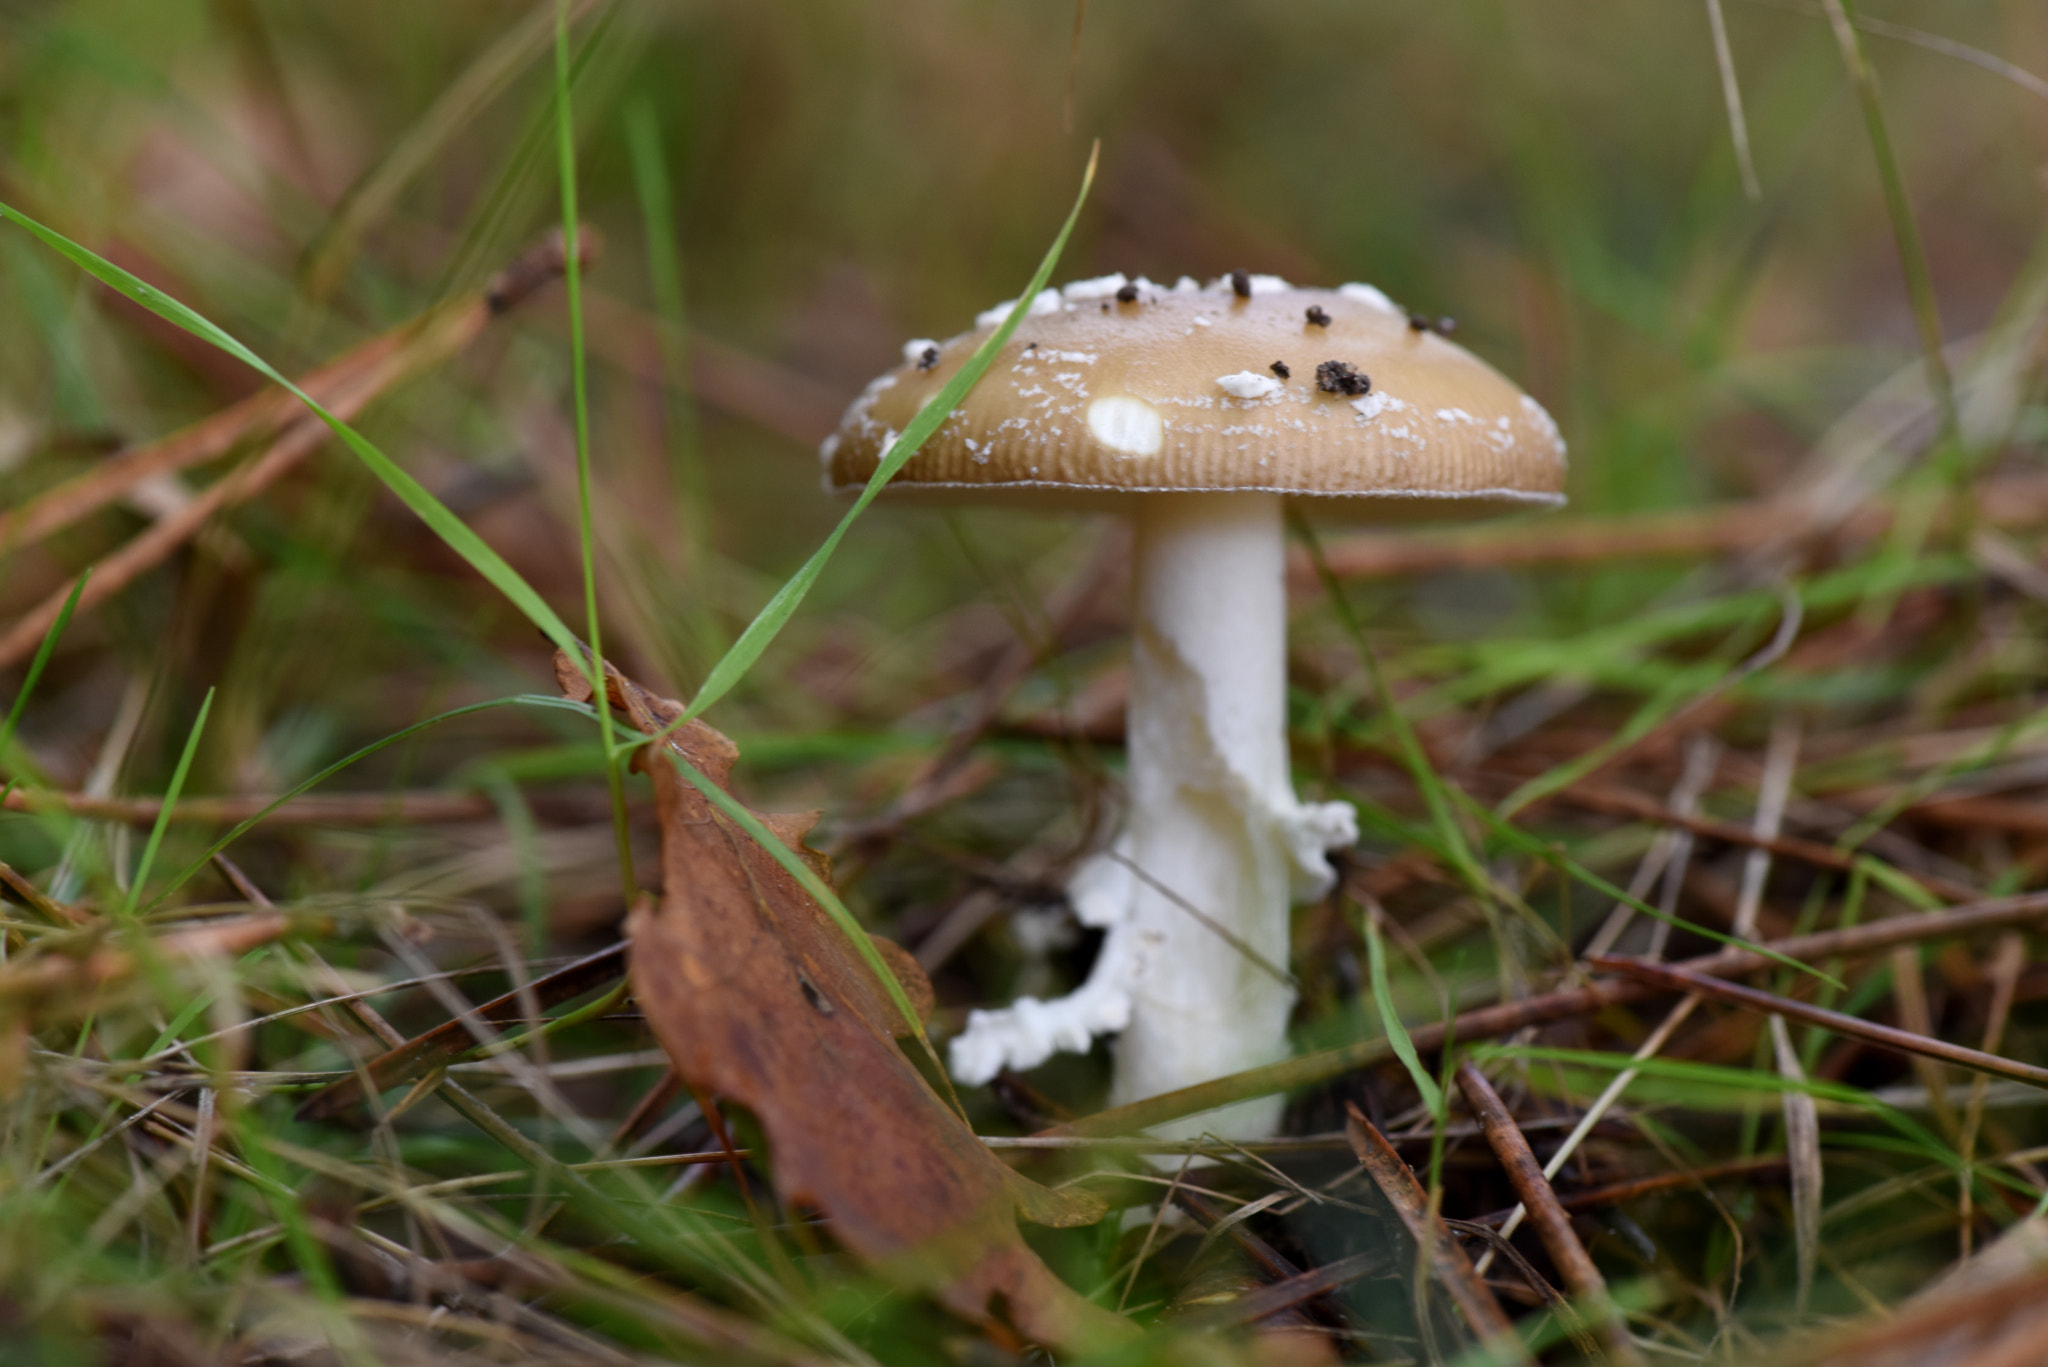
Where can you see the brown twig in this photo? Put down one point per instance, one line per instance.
(1296, 1290)
(337, 809)
(1553, 1226)
(1627, 802)
(55, 912)
(1617, 1193)
(450, 1040)
(1677, 979)
(53, 975)
(1446, 1255)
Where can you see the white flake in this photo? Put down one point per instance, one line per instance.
(916, 347)
(1366, 294)
(1248, 384)
(1101, 287)
(1048, 301)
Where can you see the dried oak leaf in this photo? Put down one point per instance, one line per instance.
(760, 998)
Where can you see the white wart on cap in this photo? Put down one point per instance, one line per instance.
(1115, 386)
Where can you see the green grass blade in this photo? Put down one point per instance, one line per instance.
(770, 620)
(1390, 1019)
(443, 522)
(163, 813)
(586, 524)
(1715, 1077)
(36, 665)
(1905, 230)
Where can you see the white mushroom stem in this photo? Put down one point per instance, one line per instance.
(1194, 893)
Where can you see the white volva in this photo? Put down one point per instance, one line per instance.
(1194, 893)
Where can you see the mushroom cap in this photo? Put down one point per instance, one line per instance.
(1099, 395)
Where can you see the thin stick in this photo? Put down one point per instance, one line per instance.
(1731, 97)
(1285, 1294)
(1553, 1226)
(1670, 854)
(1628, 802)
(1802, 1120)
(1446, 1255)
(1616, 1193)
(2007, 962)
(1597, 1112)
(448, 1041)
(1677, 979)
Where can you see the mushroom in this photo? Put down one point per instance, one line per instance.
(1164, 405)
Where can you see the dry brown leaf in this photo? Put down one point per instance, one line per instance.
(761, 999)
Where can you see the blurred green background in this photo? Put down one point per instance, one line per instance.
(788, 191)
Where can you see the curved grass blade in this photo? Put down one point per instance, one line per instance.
(163, 814)
(1390, 1019)
(1714, 1077)
(35, 672)
(586, 528)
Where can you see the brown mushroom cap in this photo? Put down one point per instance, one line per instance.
(1095, 397)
